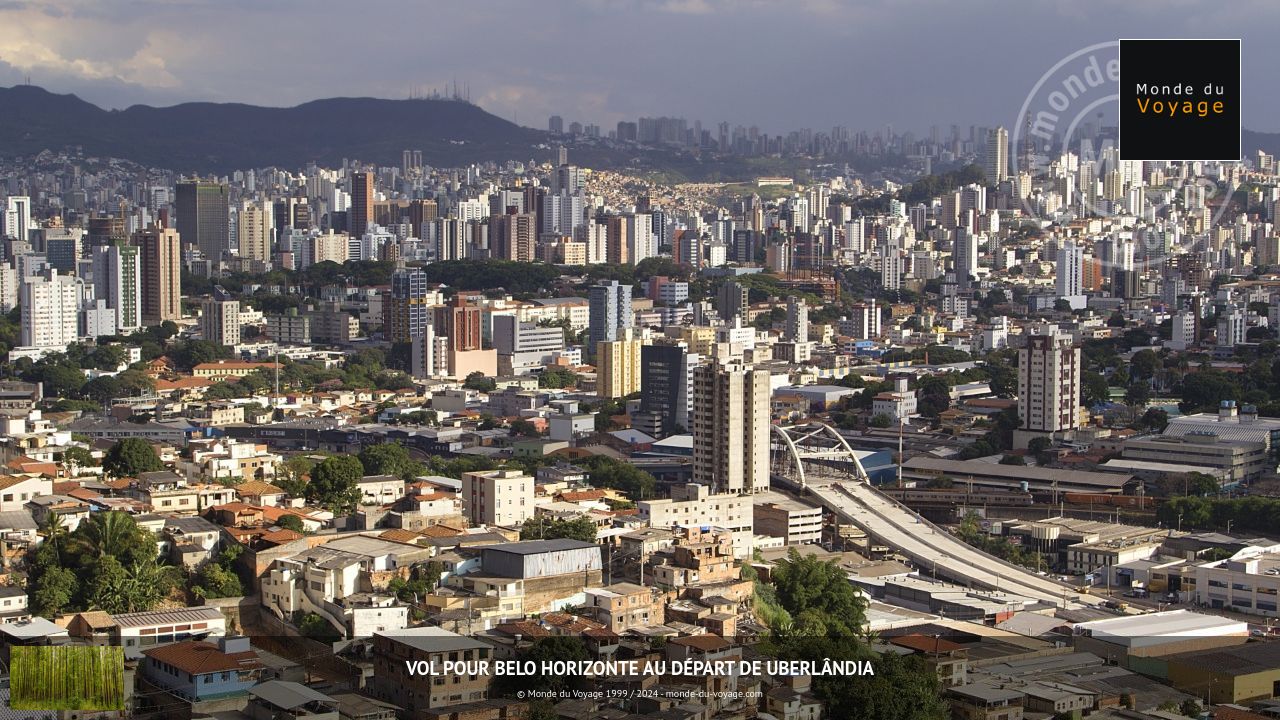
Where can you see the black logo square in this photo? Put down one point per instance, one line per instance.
(1180, 100)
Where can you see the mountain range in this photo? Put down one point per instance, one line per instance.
(221, 137)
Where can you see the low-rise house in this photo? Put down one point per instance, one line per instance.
(201, 671)
(257, 492)
(13, 604)
(140, 630)
(380, 489)
(16, 490)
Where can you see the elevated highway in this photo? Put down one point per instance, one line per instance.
(816, 461)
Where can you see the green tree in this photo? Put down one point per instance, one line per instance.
(334, 483)
(115, 534)
(1137, 394)
(52, 591)
(77, 458)
(129, 457)
(1093, 389)
(101, 389)
(386, 459)
(540, 528)
(292, 522)
(1010, 459)
(880, 421)
(479, 381)
(317, 628)
(292, 474)
(806, 583)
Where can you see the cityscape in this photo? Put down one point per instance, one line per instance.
(645, 417)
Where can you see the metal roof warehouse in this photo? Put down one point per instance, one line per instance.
(992, 475)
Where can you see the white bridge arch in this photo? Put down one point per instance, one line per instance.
(819, 446)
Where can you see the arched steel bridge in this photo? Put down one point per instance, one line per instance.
(815, 460)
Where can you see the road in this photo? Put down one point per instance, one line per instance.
(929, 546)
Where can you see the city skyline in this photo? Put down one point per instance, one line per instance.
(119, 55)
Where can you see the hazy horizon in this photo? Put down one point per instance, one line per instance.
(863, 64)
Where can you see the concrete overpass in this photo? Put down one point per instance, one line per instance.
(816, 461)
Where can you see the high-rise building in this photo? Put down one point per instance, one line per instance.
(1232, 327)
(643, 243)
(618, 365)
(117, 280)
(966, 256)
(1049, 382)
(514, 236)
(17, 217)
(796, 328)
(1070, 270)
(161, 272)
(497, 497)
(555, 125)
(731, 427)
(406, 311)
(731, 301)
(460, 323)
(610, 308)
(666, 390)
(863, 322)
(254, 226)
(996, 160)
(360, 213)
(50, 310)
(204, 216)
(220, 318)
(617, 246)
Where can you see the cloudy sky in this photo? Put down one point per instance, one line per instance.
(778, 64)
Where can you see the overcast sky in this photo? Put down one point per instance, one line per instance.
(778, 64)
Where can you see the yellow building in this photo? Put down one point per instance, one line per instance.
(618, 368)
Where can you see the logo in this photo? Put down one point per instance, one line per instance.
(1068, 164)
(1180, 100)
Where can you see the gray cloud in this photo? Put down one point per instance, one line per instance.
(773, 63)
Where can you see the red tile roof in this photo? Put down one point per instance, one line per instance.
(198, 657)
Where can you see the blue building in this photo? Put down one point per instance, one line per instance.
(198, 670)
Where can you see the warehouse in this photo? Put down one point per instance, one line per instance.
(540, 558)
(1041, 481)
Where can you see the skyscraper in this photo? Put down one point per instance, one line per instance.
(161, 254)
(1048, 383)
(406, 311)
(514, 236)
(50, 310)
(1070, 270)
(731, 300)
(666, 390)
(966, 256)
(797, 325)
(996, 160)
(610, 309)
(731, 428)
(617, 247)
(117, 279)
(255, 224)
(220, 318)
(460, 323)
(361, 212)
(17, 217)
(618, 365)
(204, 216)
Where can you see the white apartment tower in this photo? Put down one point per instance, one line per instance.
(731, 428)
(1070, 270)
(50, 310)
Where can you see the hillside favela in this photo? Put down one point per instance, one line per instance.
(401, 409)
